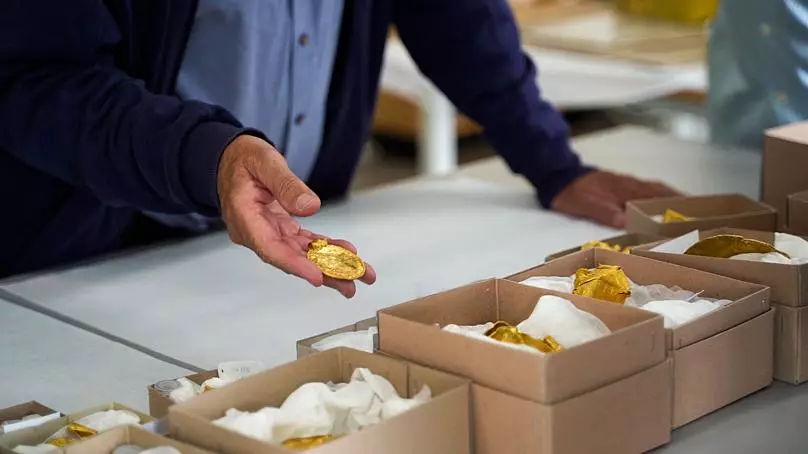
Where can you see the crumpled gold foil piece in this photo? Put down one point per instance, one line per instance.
(80, 431)
(602, 245)
(674, 216)
(606, 282)
(60, 442)
(504, 332)
(335, 261)
(726, 246)
(308, 442)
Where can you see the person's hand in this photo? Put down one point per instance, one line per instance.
(258, 196)
(602, 196)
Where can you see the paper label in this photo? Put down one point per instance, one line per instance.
(235, 370)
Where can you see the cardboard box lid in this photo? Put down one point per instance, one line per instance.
(710, 212)
(750, 300)
(20, 411)
(628, 239)
(31, 436)
(798, 213)
(443, 421)
(106, 442)
(412, 331)
(788, 283)
(785, 158)
(304, 346)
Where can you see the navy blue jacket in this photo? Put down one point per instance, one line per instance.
(91, 132)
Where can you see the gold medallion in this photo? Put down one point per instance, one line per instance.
(60, 442)
(504, 332)
(80, 431)
(674, 216)
(726, 246)
(606, 282)
(308, 442)
(335, 261)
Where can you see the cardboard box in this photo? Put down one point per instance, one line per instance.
(791, 344)
(304, 347)
(735, 340)
(627, 240)
(18, 412)
(710, 212)
(785, 158)
(36, 435)
(437, 427)
(159, 402)
(789, 283)
(412, 331)
(629, 416)
(798, 213)
(107, 442)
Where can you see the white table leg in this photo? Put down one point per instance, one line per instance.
(437, 141)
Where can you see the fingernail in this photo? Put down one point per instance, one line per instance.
(305, 201)
(619, 220)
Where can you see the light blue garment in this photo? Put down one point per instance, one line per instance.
(758, 69)
(269, 63)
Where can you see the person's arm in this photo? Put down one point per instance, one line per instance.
(471, 51)
(66, 110)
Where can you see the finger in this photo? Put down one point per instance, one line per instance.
(346, 288)
(601, 209)
(370, 275)
(342, 243)
(271, 170)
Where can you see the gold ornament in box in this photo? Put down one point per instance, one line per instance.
(606, 282)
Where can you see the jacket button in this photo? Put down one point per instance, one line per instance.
(303, 39)
(299, 118)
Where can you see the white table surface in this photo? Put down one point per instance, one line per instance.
(69, 369)
(205, 300)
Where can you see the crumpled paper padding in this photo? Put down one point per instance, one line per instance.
(794, 246)
(185, 392)
(358, 340)
(769, 257)
(325, 409)
(559, 318)
(641, 296)
(556, 283)
(478, 332)
(39, 449)
(677, 312)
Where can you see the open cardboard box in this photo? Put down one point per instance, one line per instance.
(529, 392)
(18, 412)
(627, 240)
(107, 442)
(37, 435)
(159, 402)
(798, 213)
(736, 340)
(785, 158)
(437, 427)
(304, 347)
(710, 212)
(789, 283)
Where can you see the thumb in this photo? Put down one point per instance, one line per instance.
(274, 174)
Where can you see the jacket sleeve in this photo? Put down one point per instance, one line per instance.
(66, 110)
(471, 50)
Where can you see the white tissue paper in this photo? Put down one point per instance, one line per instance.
(559, 318)
(358, 340)
(642, 296)
(325, 409)
(229, 372)
(186, 391)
